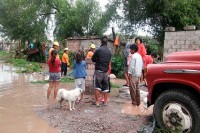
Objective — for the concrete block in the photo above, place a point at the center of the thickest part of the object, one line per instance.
(167, 45)
(190, 27)
(90, 72)
(180, 42)
(195, 47)
(191, 33)
(184, 47)
(112, 76)
(176, 46)
(189, 42)
(169, 29)
(89, 78)
(197, 32)
(180, 33)
(89, 82)
(171, 42)
(171, 50)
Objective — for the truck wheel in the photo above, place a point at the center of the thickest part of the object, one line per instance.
(175, 110)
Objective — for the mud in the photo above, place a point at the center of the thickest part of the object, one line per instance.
(88, 118)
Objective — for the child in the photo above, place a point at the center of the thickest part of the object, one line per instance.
(65, 62)
(54, 69)
(149, 59)
(80, 72)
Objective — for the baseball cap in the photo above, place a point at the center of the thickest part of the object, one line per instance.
(66, 49)
(92, 46)
(56, 43)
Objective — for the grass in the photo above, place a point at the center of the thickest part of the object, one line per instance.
(22, 65)
(63, 80)
(4, 54)
(114, 85)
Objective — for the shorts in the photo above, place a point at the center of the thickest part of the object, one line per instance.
(54, 76)
(80, 83)
(101, 81)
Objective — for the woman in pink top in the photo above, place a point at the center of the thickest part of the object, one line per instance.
(54, 73)
(142, 51)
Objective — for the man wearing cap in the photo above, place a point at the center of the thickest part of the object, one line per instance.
(91, 51)
(65, 62)
(55, 47)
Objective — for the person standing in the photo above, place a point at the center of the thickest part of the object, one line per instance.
(149, 59)
(65, 62)
(80, 72)
(91, 51)
(55, 47)
(55, 75)
(126, 55)
(135, 71)
(102, 58)
(142, 51)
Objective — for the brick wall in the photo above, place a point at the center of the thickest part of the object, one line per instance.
(181, 41)
(83, 44)
(89, 81)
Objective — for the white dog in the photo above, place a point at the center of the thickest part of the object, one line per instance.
(69, 95)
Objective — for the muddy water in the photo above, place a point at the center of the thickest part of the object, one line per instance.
(18, 101)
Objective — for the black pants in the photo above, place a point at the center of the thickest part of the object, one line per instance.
(64, 69)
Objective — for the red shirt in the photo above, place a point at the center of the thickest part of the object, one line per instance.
(148, 60)
(56, 67)
(141, 50)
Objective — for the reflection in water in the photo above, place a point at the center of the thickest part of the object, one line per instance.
(18, 100)
(128, 108)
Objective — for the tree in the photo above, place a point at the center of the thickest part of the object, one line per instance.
(82, 18)
(161, 13)
(21, 20)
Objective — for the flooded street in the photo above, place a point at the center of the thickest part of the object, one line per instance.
(18, 101)
(24, 108)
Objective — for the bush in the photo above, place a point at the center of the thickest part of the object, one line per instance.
(118, 65)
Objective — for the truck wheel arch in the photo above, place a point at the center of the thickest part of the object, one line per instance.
(163, 87)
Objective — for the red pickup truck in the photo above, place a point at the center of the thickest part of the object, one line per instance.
(174, 89)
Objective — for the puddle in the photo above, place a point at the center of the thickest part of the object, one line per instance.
(18, 100)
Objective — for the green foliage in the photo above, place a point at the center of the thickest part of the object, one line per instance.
(20, 20)
(160, 13)
(63, 80)
(118, 65)
(70, 20)
(152, 45)
(4, 54)
(114, 85)
(25, 67)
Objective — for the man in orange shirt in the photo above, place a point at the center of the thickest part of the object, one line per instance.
(65, 62)
(91, 51)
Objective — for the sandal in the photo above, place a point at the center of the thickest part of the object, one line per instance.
(126, 85)
(97, 105)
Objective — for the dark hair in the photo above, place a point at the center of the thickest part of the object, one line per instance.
(154, 54)
(138, 38)
(53, 55)
(104, 40)
(134, 47)
(79, 56)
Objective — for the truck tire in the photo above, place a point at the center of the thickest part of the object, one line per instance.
(177, 111)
